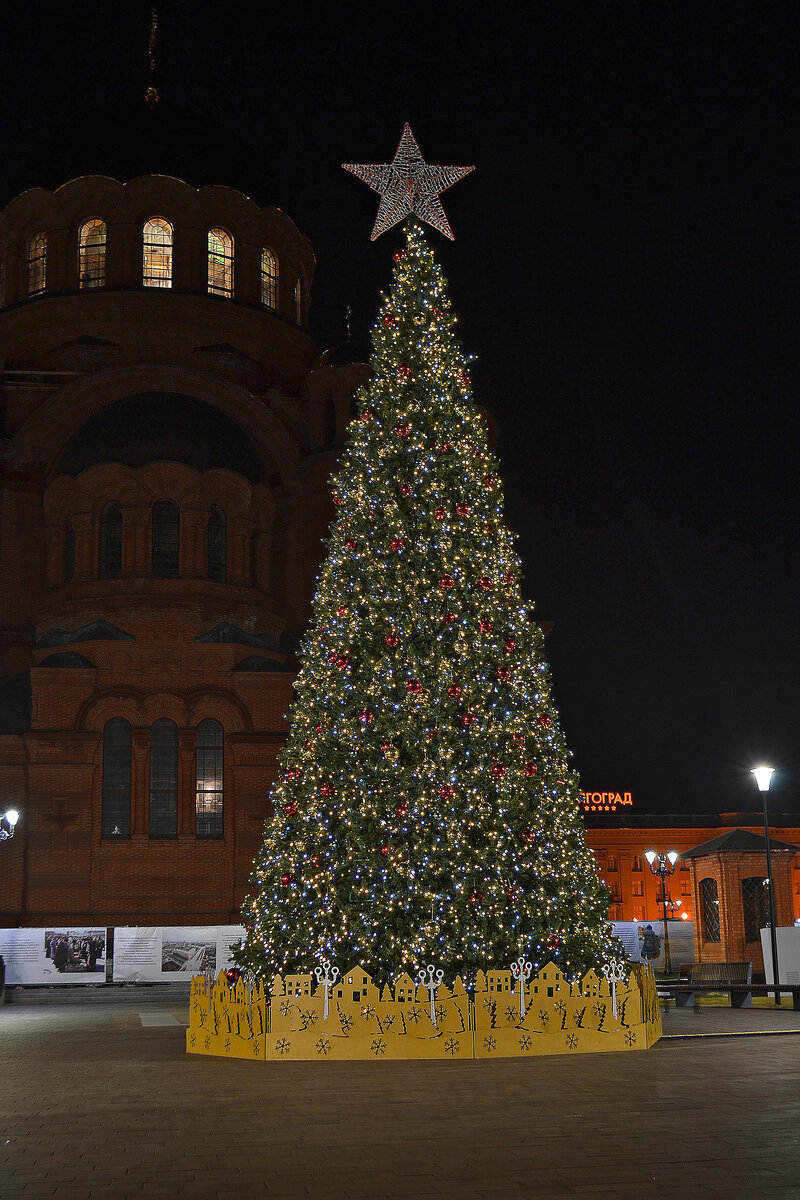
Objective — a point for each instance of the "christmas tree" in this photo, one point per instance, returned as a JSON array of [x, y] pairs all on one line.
[[425, 809]]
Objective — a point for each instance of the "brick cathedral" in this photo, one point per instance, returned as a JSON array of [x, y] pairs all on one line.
[[169, 429]]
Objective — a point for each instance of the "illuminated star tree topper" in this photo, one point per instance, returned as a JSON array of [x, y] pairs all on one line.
[[408, 185]]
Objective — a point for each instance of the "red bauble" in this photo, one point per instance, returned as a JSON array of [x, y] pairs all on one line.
[[439, 513], [544, 720], [553, 942], [342, 610], [467, 719], [342, 662], [337, 499], [503, 673], [290, 809], [462, 508], [306, 744], [385, 851], [403, 431], [399, 255], [318, 728], [518, 738], [512, 893], [464, 379], [366, 716], [367, 415], [529, 768], [485, 582], [396, 543], [489, 481], [294, 773], [404, 370], [510, 645], [332, 659], [405, 489], [232, 975], [391, 640], [446, 581], [445, 448], [448, 618], [454, 690], [401, 810], [446, 791], [327, 789], [526, 835], [476, 898], [287, 879], [498, 770], [485, 625], [413, 687], [384, 746], [388, 320], [351, 544], [508, 577]]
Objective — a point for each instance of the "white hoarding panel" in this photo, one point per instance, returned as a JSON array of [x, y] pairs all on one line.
[[174, 954], [59, 955]]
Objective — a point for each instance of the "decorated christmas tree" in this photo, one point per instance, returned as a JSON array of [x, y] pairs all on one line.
[[426, 809]]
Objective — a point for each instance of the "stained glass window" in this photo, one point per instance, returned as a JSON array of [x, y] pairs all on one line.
[[269, 279], [157, 253], [37, 264], [92, 254], [220, 263]]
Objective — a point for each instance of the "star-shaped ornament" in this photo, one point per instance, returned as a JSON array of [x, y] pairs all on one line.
[[408, 185]]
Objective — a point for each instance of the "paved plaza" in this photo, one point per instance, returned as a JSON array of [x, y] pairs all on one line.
[[100, 1100]]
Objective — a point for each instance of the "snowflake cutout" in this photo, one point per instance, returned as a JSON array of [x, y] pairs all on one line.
[[630, 1038], [544, 1017], [388, 1022], [572, 1041], [599, 1009], [525, 1042], [415, 1014], [489, 1043], [309, 1017], [227, 1045], [192, 1038], [202, 1019], [346, 1021], [368, 1012], [452, 1046], [512, 1013], [282, 1046], [441, 1013], [286, 1007], [378, 1046], [561, 1007], [488, 1004], [324, 1045]]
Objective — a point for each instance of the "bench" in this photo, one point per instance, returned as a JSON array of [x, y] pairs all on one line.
[[733, 977]]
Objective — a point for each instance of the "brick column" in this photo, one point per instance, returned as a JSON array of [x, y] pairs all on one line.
[[140, 799]]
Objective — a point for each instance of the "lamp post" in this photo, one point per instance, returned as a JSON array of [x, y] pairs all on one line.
[[8, 823], [763, 777], [663, 865], [672, 905]]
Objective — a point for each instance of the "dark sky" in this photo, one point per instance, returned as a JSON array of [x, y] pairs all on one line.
[[625, 269]]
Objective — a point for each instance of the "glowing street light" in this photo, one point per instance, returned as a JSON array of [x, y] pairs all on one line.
[[9, 819], [663, 865], [763, 776]]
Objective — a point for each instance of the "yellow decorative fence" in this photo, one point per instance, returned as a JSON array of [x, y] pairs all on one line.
[[503, 1018]]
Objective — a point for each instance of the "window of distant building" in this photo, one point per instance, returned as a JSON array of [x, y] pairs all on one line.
[[37, 264], [637, 887], [116, 813], [111, 540], [611, 862], [636, 862], [69, 553], [269, 279], [709, 909], [209, 793], [298, 302], [164, 779], [638, 912], [686, 887], [157, 253], [220, 263], [92, 253], [165, 556], [216, 544], [613, 913]]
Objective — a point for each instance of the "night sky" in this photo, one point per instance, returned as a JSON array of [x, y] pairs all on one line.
[[626, 272]]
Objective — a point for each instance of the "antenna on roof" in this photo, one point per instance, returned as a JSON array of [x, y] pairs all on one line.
[[151, 92]]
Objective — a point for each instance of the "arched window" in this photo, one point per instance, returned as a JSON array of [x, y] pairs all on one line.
[[298, 302], [220, 263], [92, 253], [166, 542], [636, 862], [611, 862], [37, 264], [164, 779], [208, 772], [709, 910], [157, 253], [116, 817], [755, 906], [269, 279], [216, 544], [111, 540], [69, 553]]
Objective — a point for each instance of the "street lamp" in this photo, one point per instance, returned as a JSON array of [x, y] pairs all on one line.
[[763, 777], [672, 905], [663, 865], [9, 818]]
